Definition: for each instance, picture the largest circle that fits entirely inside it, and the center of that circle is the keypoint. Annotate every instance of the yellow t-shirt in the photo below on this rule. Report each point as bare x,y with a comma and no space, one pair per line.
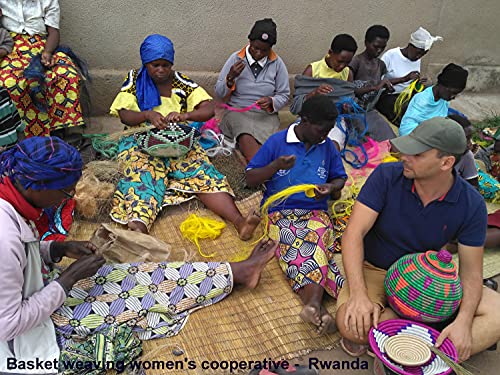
321,70
186,95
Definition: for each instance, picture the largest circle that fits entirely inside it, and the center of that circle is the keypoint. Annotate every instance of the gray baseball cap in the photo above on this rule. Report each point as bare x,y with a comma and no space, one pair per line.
440,133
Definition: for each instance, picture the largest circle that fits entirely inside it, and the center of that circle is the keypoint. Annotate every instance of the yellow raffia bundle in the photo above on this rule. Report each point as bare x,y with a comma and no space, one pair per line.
279,197
391,158
342,208
195,228
405,96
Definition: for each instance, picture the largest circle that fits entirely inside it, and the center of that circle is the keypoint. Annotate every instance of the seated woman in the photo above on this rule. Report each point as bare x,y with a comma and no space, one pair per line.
159,95
333,67
42,307
434,101
303,154
35,29
255,74
403,67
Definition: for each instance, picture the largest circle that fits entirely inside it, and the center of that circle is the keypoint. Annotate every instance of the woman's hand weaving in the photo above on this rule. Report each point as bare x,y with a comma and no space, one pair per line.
176,117
156,119
84,267
72,249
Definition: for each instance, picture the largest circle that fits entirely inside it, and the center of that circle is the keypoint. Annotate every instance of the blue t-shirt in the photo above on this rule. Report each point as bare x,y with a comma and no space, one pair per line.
405,226
422,107
318,165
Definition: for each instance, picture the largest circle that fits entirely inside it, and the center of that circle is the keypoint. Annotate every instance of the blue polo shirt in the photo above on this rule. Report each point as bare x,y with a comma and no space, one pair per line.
405,226
318,165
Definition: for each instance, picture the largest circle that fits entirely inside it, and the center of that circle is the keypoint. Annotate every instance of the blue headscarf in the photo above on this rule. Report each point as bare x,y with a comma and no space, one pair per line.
42,163
153,48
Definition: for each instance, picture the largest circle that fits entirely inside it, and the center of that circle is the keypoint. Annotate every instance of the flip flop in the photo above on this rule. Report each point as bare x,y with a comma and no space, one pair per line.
291,370
362,349
297,370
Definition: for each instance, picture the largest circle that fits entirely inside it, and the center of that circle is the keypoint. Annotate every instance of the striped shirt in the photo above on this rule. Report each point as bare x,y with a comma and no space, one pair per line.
10,122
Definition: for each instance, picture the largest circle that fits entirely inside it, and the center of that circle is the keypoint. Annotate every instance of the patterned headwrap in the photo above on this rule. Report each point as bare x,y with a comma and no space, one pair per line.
42,163
153,48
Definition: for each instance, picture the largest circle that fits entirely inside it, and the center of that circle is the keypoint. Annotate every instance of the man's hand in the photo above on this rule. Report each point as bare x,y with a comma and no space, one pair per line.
284,162
72,249
48,59
266,103
460,334
156,119
361,313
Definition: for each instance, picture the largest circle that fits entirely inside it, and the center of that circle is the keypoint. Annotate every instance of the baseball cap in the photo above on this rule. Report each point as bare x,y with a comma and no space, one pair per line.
440,133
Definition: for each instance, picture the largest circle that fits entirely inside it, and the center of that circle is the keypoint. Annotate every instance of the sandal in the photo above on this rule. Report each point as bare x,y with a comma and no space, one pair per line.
354,350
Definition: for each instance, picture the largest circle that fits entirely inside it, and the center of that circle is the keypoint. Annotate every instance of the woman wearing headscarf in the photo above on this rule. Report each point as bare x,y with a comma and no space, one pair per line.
403,67
159,95
255,74
434,101
42,79
43,309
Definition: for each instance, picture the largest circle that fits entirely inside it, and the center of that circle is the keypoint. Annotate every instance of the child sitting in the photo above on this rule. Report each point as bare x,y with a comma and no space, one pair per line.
303,154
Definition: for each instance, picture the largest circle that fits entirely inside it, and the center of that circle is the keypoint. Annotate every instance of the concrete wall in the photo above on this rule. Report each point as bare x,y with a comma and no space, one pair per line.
107,33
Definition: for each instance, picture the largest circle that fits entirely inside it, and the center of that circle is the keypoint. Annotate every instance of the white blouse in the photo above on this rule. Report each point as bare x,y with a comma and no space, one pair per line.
30,16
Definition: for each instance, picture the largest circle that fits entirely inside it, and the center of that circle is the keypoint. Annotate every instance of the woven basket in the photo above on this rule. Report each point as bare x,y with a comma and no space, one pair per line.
378,338
172,142
424,286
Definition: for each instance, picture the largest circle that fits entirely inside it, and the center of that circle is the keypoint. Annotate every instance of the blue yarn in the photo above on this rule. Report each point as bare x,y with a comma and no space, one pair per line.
37,71
353,137
452,111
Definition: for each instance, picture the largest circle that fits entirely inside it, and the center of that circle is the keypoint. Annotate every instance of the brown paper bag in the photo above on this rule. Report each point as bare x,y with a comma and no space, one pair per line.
125,246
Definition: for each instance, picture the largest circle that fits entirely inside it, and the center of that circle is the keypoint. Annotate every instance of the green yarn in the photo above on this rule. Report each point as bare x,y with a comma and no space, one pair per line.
103,145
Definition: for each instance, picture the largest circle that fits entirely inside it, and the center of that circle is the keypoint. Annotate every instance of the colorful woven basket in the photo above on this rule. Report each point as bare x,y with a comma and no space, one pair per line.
172,142
389,328
424,286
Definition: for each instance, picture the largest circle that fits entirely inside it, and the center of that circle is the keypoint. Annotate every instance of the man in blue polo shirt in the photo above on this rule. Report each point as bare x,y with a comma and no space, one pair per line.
414,206
303,154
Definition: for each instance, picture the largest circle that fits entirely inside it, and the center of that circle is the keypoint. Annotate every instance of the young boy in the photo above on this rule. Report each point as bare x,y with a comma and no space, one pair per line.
466,167
367,69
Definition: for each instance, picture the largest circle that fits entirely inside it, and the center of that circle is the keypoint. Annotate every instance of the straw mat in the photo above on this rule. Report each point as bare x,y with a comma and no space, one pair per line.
249,324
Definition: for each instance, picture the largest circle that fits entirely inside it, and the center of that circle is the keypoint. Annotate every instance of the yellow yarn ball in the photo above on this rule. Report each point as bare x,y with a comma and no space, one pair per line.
195,228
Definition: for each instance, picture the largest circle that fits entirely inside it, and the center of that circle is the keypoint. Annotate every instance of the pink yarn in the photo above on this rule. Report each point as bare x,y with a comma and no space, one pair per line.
213,123
246,109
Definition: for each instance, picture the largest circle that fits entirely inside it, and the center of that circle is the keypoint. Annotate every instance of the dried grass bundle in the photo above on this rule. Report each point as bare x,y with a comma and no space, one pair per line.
94,191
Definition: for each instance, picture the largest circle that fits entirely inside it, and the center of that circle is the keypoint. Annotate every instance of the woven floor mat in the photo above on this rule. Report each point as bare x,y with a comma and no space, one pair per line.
248,325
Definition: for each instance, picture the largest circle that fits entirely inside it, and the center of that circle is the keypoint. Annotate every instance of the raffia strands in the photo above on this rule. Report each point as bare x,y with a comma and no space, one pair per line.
115,137
280,197
457,368
195,228
405,96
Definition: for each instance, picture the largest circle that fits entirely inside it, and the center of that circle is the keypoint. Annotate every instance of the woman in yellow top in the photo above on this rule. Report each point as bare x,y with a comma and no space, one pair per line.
333,65
159,95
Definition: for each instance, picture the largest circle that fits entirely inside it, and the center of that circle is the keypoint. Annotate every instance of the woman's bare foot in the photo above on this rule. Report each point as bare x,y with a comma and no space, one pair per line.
137,226
247,273
327,324
247,226
311,314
